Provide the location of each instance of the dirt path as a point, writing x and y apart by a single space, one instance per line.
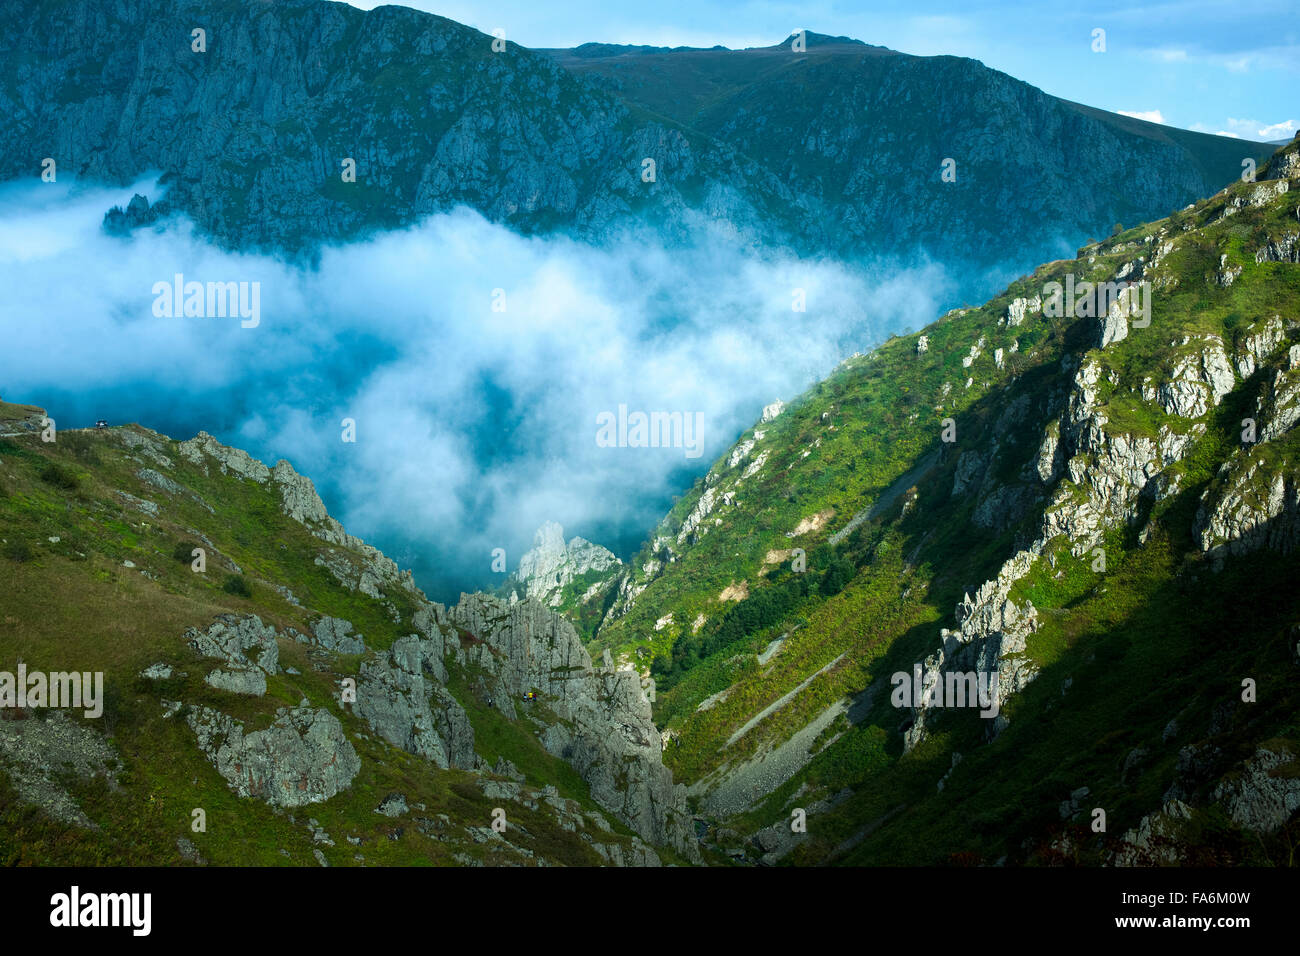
887 497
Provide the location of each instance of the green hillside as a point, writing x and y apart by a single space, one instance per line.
1063 450
98 529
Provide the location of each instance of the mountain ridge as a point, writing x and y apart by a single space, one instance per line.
1102 480
434 118
337 682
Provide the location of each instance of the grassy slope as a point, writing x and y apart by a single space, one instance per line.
882 414
73 604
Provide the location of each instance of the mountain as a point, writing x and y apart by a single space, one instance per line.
1096 505
250 135
865 130
564 575
267 668
1014 590
837 150
1092 516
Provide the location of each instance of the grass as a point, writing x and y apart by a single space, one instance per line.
73 602
841 444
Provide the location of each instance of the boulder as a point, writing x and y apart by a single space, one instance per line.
302 758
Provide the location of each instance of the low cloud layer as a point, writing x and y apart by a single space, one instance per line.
473 426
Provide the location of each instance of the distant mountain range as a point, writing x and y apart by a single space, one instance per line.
838 150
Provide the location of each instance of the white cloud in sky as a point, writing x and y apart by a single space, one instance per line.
1151 116
473 426
1252 129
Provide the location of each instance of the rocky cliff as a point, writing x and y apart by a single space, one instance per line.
273 660
547 570
254 122
1076 504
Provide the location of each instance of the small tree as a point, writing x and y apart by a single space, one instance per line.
19 550
235 584
59 476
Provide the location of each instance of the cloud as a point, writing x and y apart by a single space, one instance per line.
473 426
1151 116
1252 129
1284 130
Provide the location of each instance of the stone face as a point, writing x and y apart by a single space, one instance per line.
1264 193
771 412
160 481
1278 408
1019 309
231 638
1265 794
1251 507
1284 248
1113 327
634 854
1197 382
412 711
703 507
140 504
394 805
1048 465
739 453
335 634
298 495
229 460
604 730
1156 839
249 682
970 466
1260 341
302 758
551 564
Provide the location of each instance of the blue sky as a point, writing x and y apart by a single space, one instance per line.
1212 66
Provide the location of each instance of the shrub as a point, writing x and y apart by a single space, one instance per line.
19 550
184 551
60 476
235 584
82 446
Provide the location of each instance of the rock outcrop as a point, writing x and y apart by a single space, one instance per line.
400 697
1254 506
335 634
604 727
367 570
547 569
232 637
303 757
